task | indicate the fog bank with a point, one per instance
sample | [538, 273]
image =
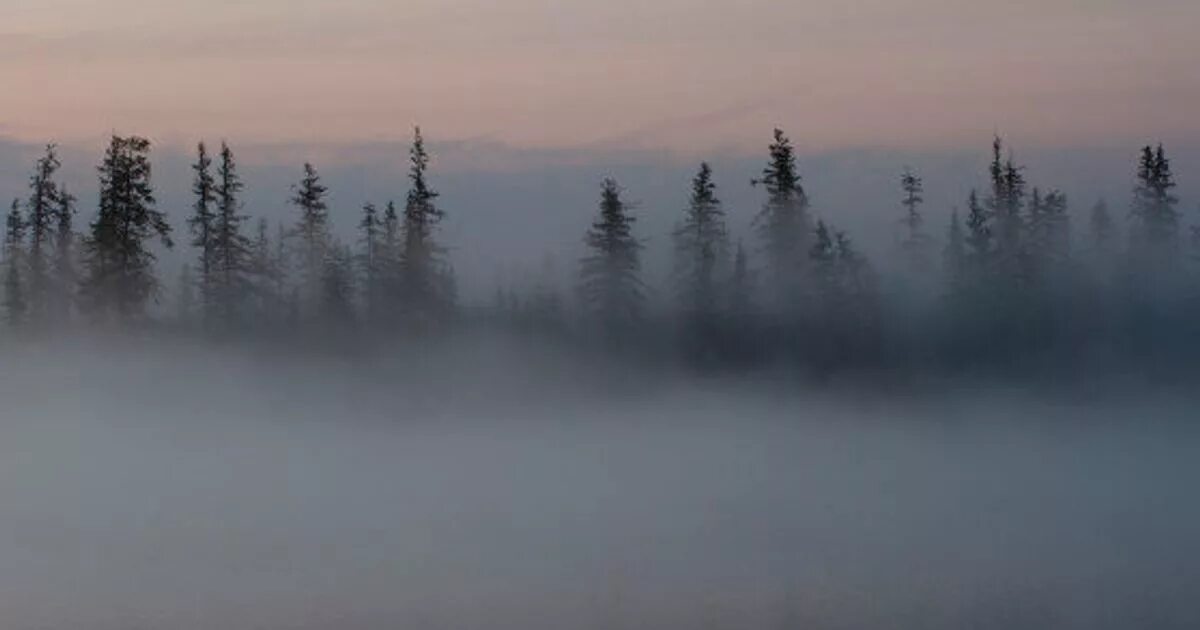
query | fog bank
[187, 488]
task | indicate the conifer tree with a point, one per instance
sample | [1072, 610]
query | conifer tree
[610, 285]
[65, 279]
[231, 281]
[857, 308]
[264, 273]
[820, 340]
[1156, 219]
[391, 251]
[120, 266]
[425, 282]
[1006, 204]
[202, 226]
[1049, 230]
[371, 262]
[41, 208]
[915, 242]
[15, 303]
[979, 238]
[783, 223]
[823, 255]
[701, 250]
[312, 237]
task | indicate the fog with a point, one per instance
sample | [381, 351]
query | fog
[496, 483]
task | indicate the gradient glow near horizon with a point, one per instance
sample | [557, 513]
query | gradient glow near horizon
[680, 75]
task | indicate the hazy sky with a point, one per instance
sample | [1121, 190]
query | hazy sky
[678, 74]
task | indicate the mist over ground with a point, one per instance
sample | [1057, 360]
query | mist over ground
[491, 482]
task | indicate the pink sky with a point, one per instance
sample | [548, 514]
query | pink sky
[684, 75]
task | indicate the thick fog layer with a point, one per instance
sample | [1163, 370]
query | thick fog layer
[159, 484]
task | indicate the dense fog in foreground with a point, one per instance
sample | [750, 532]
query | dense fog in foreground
[496, 483]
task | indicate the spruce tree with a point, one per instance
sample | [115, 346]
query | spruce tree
[15, 303]
[41, 208]
[1049, 227]
[823, 255]
[425, 284]
[1006, 204]
[1156, 219]
[264, 274]
[822, 332]
[120, 266]
[783, 223]
[915, 242]
[701, 249]
[856, 308]
[312, 237]
[979, 239]
[201, 224]
[371, 261]
[65, 277]
[231, 280]
[610, 285]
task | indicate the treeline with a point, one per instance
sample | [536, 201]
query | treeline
[1012, 281]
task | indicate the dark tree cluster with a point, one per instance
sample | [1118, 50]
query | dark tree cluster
[1007, 284]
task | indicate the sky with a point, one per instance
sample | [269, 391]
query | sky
[685, 76]
[529, 103]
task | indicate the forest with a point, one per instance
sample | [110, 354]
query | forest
[1021, 280]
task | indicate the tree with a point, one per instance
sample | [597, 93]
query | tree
[846, 300]
[915, 242]
[979, 238]
[65, 279]
[858, 312]
[783, 223]
[231, 281]
[201, 224]
[701, 252]
[371, 262]
[1049, 233]
[41, 208]
[1156, 221]
[312, 234]
[610, 285]
[120, 266]
[425, 282]
[1006, 205]
[15, 304]
[391, 253]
